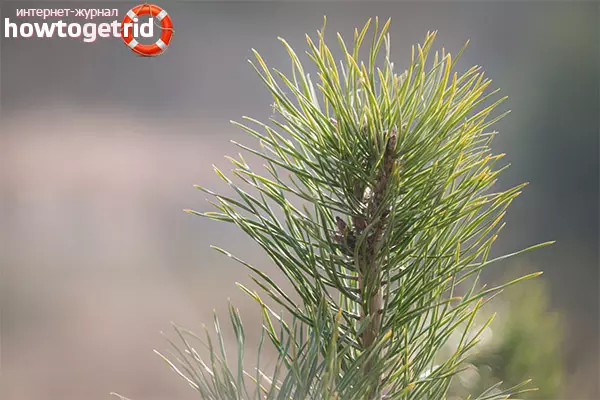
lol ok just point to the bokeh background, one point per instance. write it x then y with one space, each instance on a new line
100 149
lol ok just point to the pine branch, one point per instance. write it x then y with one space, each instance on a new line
376 206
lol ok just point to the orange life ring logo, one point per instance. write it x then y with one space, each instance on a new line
129 28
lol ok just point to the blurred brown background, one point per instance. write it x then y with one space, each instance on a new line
100 149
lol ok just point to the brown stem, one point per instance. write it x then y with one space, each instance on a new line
369 276
371 310
373 314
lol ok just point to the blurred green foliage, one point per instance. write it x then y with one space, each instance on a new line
525 342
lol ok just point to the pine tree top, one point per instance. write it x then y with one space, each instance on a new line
376 205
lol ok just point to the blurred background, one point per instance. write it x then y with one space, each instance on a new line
100 149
